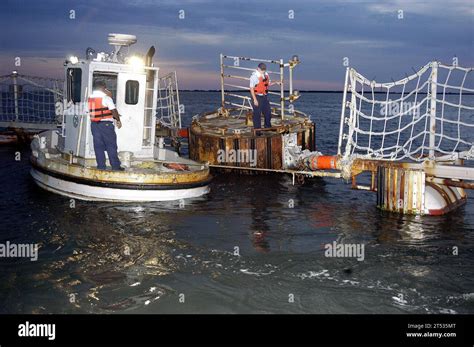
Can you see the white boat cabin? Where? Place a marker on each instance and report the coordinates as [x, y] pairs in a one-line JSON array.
[[134, 84]]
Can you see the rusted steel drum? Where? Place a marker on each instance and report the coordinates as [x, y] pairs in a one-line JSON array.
[[409, 191], [231, 131]]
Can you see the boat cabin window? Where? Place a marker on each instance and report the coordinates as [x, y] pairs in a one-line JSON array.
[[74, 81], [110, 80], [131, 92]]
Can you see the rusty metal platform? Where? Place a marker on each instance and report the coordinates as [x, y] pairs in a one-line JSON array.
[[232, 129]]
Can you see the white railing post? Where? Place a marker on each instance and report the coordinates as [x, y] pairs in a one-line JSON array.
[[343, 112], [282, 90], [353, 113], [177, 99], [222, 81], [15, 94], [290, 79], [433, 91]]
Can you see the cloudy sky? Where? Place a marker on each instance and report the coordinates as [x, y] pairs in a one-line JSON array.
[[370, 33]]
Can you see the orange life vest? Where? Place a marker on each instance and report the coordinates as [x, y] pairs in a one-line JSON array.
[[97, 110], [262, 86]]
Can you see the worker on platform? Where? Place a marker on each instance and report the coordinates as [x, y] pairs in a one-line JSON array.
[[103, 112], [259, 83]]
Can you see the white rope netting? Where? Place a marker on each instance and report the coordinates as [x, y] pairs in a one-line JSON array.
[[27, 99], [428, 114], [168, 108]]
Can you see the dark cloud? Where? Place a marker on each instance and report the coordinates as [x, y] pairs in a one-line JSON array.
[[369, 33]]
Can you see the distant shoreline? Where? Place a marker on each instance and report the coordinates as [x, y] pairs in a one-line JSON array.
[[305, 91]]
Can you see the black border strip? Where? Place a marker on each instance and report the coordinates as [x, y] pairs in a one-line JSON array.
[[343, 329], [91, 183]]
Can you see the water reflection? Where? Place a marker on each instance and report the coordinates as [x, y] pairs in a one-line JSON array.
[[409, 230], [104, 248], [259, 228]]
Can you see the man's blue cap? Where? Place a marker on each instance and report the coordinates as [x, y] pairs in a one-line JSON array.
[[262, 66]]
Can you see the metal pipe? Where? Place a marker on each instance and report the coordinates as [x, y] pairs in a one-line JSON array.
[[252, 59], [290, 77], [273, 93], [238, 77], [86, 97], [246, 88], [222, 81], [433, 81], [238, 105], [248, 69], [237, 95], [282, 90], [352, 113], [372, 181], [243, 97], [319, 173], [177, 98], [274, 103], [249, 108], [15, 94], [236, 86], [78, 143], [450, 182], [341, 127], [431, 169]]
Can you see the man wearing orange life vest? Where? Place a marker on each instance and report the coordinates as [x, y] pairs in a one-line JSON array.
[[102, 113], [259, 83]]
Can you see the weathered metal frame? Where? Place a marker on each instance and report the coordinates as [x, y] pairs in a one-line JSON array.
[[317, 173], [281, 73], [451, 175]]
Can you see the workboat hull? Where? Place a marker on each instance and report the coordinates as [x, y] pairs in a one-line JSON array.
[[164, 178], [97, 192]]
